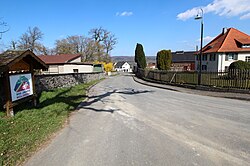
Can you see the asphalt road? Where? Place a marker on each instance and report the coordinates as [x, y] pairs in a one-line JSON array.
[[126, 123]]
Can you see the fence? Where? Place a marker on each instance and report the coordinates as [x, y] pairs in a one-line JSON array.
[[234, 79]]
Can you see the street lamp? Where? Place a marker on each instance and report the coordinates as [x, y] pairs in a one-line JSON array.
[[200, 17]]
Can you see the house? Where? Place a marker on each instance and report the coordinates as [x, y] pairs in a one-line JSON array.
[[183, 61], [123, 66], [65, 63], [229, 46], [151, 65]]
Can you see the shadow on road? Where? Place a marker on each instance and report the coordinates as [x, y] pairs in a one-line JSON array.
[[94, 99]]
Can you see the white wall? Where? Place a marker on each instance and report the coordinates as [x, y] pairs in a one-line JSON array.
[[223, 63], [76, 60], [220, 62], [53, 69], [125, 68], [69, 68]]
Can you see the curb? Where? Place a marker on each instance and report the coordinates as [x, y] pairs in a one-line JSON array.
[[195, 89]]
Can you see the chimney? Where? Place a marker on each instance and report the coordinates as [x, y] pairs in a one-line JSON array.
[[224, 30], [196, 48]]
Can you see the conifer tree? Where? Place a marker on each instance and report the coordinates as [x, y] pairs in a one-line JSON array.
[[140, 58]]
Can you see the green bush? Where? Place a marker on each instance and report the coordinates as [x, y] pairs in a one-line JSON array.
[[164, 59], [241, 65]]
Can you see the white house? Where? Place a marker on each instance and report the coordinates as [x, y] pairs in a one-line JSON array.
[[123, 66], [229, 46], [65, 63]]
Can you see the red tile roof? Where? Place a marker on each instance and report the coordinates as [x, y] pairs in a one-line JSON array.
[[56, 59], [230, 41]]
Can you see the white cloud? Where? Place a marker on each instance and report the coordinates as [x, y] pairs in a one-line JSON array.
[[206, 39], [246, 16], [228, 8], [124, 14]]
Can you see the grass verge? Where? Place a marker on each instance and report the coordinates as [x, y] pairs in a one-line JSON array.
[[30, 127]]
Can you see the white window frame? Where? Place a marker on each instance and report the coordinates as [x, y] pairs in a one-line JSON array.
[[231, 56], [247, 58]]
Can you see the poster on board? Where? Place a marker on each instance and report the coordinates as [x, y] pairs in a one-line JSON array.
[[21, 86]]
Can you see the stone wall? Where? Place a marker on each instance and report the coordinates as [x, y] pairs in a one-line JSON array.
[[49, 82]]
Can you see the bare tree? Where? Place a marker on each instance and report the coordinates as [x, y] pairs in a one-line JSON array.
[[30, 39], [13, 44], [79, 45], [109, 44], [63, 47], [106, 40], [4, 27]]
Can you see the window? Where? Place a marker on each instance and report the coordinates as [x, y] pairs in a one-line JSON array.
[[212, 57], [204, 57], [204, 67], [246, 46], [198, 57], [247, 59], [231, 56], [75, 70]]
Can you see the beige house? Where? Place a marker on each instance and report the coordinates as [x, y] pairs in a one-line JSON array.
[[229, 46], [65, 63]]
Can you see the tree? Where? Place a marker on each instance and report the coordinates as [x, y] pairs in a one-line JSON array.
[[3, 28], [30, 39], [79, 45], [105, 41], [140, 58], [241, 65], [109, 44], [13, 44], [164, 59]]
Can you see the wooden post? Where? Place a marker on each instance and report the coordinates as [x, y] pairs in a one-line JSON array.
[[33, 84], [8, 105]]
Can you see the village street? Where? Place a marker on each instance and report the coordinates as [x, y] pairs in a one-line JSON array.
[[126, 123]]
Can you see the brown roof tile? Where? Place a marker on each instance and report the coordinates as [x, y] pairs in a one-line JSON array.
[[230, 41], [62, 58]]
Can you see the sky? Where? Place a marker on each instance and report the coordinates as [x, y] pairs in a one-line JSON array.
[[156, 24]]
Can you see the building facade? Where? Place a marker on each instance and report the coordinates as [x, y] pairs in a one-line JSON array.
[[65, 63], [229, 46]]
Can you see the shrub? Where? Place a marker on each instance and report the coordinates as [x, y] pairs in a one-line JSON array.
[[241, 65], [164, 59]]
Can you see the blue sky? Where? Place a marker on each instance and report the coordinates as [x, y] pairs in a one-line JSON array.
[[156, 24]]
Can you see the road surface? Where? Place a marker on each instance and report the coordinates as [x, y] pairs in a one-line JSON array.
[[125, 123]]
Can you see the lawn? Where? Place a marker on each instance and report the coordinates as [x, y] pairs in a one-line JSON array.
[[31, 127]]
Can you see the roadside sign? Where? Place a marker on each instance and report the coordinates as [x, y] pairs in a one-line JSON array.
[[21, 86]]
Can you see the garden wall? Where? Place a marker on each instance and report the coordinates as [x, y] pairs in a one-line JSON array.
[[49, 82]]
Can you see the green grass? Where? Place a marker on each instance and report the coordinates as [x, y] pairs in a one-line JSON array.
[[30, 127]]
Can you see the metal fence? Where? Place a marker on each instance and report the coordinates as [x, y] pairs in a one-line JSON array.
[[235, 79]]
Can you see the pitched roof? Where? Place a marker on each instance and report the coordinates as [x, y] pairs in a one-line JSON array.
[[11, 57], [119, 64], [230, 41], [182, 56], [58, 59]]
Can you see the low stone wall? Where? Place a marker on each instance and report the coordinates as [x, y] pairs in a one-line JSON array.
[[49, 82]]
